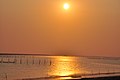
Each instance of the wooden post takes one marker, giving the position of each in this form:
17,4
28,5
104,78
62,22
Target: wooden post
99,70
15,60
8,60
44,61
108,71
33,60
6,76
50,62
2,60
92,72
27,60
20,60
39,61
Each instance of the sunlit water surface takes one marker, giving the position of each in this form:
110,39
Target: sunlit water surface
45,66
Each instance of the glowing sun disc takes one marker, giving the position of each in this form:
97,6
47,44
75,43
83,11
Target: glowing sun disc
66,6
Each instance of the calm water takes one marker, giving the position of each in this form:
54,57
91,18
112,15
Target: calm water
45,66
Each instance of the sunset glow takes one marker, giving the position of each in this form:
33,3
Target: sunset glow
65,27
59,39
66,6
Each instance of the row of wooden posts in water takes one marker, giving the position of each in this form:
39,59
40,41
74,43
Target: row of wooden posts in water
21,61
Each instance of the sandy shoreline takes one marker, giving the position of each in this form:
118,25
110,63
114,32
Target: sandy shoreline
77,78
103,78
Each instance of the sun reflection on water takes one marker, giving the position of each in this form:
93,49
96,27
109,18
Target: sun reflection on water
64,66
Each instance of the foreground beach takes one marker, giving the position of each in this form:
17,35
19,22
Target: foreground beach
95,78
103,78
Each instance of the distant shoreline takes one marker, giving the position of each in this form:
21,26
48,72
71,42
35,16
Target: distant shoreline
21,54
90,57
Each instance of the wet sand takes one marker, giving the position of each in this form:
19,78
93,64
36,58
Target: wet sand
95,78
103,78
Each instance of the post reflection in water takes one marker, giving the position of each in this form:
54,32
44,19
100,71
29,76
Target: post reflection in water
64,66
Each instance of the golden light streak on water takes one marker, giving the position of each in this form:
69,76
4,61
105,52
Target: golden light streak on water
64,67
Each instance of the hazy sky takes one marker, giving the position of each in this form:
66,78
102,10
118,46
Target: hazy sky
89,27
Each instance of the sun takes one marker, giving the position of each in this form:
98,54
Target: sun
66,6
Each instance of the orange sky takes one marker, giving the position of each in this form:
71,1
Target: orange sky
89,27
